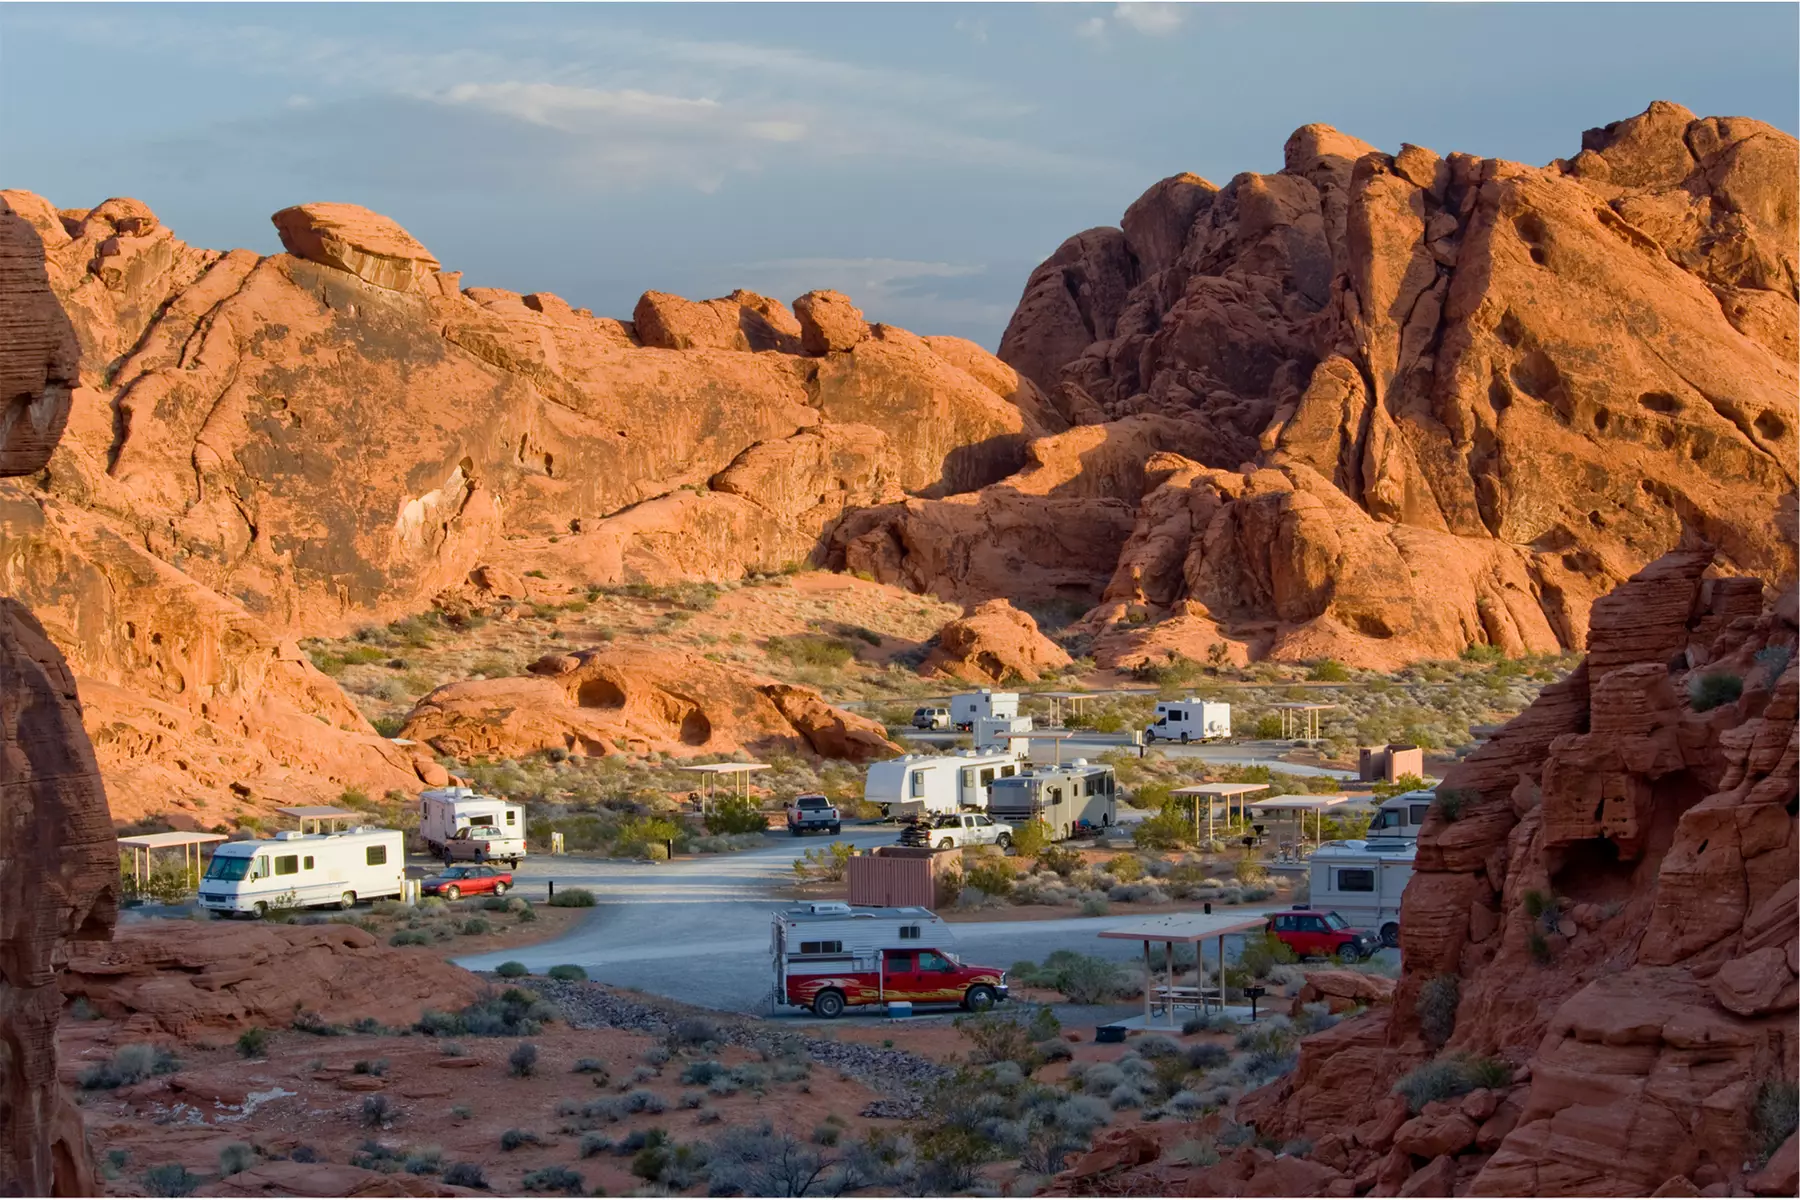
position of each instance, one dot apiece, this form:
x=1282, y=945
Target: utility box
x=903, y=877
x=1388, y=763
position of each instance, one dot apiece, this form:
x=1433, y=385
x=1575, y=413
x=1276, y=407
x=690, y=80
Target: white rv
x=990, y=732
x=970, y=707
x=446, y=812
x=1362, y=881
x=305, y=870
x=1401, y=816
x=1069, y=799
x=937, y=783
x=1189, y=720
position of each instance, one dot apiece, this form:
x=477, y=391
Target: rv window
x=918, y=784
x=228, y=867
x=510, y=818
x=898, y=960
x=1175, y=715
x=1417, y=813
x=909, y=932
x=1007, y=772
x=1387, y=818
x=424, y=808
x=376, y=856
x=987, y=776
x=968, y=778
x=821, y=947
x=1355, y=879
x=287, y=864
x=932, y=962
x=307, y=865
x=1055, y=794
x=262, y=866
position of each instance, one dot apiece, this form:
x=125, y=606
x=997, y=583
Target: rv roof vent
x=1080, y=762
x=286, y=835
x=832, y=907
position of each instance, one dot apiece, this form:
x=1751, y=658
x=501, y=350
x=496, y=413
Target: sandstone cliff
x=1426, y=401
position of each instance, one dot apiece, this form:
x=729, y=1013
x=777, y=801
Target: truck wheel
x=1149, y=737
x=828, y=1004
x=836, y=829
x=501, y=888
x=980, y=998
x=946, y=844
x=1004, y=841
x=794, y=831
x=1349, y=952
x=1390, y=934
x=347, y=900
x=1184, y=739
x=453, y=893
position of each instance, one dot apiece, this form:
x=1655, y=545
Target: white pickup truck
x=484, y=843
x=955, y=830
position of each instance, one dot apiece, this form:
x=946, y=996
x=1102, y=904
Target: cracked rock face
x=59, y=867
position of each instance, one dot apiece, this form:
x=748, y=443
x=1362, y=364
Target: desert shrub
x=377, y=1111
x=992, y=876
x=830, y=863
x=1209, y=1023
x=253, y=1042
x=694, y=1031
x=554, y=1179
x=593, y=1144
x=1448, y=1078
x=1315, y=1018
x=512, y=1139
x=1083, y=979
x=170, y=1179
x=523, y=1060
x=1030, y=838
x=1714, y=688
x=1267, y=727
x=1248, y=869
x=1329, y=670
x=464, y=1174
x=1206, y=1056
x=370, y=1066
x=511, y=970
x=1125, y=867
x=129, y=1064
x=643, y=1100
x=1094, y=904
x=476, y=926
x=735, y=814
x=1451, y=803
x=1157, y=1045
x=1262, y=952
x=1169, y=829
x=1436, y=1007
x=1773, y=1116
x=424, y=1160
x=810, y=650
x=572, y=898
x=568, y=973
x=1081, y=1115
x=1060, y=859
x=514, y=1012
x=237, y=1156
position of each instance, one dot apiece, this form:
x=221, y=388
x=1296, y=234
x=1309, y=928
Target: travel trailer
x=990, y=732
x=937, y=783
x=1066, y=798
x=969, y=707
x=829, y=956
x=305, y=870
x=1362, y=881
x=446, y=812
x=1189, y=720
x=1401, y=816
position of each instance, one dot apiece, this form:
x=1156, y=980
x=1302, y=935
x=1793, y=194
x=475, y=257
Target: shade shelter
x=1073, y=699
x=1182, y=929
x=1298, y=807
x=1214, y=792
x=735, y=774
x=1056, y=738
x=1300, y=719
x=190, y=844
x=320, y=818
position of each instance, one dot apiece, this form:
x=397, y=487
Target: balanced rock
x=829, y=322
x=370, y=246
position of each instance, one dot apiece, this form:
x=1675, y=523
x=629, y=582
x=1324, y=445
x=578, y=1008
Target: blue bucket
x=899, y=1008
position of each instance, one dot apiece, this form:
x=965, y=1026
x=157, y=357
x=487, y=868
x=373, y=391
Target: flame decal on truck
x=865, y=987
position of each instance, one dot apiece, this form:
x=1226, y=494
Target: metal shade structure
x=1056, y=737
x=1057, y=699
x=314, y=818
x=1184, y=929
x=1298, y=716
x=189, y=844
x=735, y=773
x=1215, y=792
x=1300, y=806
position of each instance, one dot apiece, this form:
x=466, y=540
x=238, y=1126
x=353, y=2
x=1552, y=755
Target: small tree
x=735, y=814
x=1167, y=830
x=1030, y=838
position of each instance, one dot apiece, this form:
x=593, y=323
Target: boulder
x=740, y=321
x=829, y=322
x=368, y=245
x=991, y=643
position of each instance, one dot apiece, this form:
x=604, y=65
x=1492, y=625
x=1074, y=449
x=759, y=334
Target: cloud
x=1150, y=18
x=1094, y=29
x=977, y=31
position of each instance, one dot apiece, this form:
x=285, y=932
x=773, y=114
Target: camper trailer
x=446, y=812
x=990, y=732
x=1189, y=720
x=1066, y=798
x=305, y=870
x=937, y=783
x=829, y=956
x=1362, y=881
x=970, y=707
x=1402, y=816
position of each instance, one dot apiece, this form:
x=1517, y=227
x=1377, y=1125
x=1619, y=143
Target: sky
x=921, y=158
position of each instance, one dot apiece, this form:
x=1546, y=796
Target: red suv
x=1311, y=933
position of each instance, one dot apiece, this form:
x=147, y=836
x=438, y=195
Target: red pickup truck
x=1312, y=933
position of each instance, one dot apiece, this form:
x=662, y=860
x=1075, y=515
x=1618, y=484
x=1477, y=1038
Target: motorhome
x=1067, y=798
x=938, y=783
x=1189, y=720
x=446, y=812
x=1402, y=816
x=991, y=732
x=1362, y=881
x=969, y=707
x=829, y=956
x=305, y=870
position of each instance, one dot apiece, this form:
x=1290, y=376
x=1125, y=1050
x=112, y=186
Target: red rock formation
x=1615, y=898
x=59, y=869
x=162, y=981
x=638, y=700
x=992, y=642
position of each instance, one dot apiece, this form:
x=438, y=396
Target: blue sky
x=921, y=158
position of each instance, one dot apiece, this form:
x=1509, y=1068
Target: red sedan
x=453, y=883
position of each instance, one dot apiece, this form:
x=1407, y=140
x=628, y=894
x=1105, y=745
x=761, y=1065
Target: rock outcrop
x=1392, y=364
x=59, y=872
x=1605, y=898
x=991, y=643
x=598, y=702
x=264, y=448
x=163, y=982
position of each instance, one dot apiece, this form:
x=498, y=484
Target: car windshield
x=1336, y=922
x=458, y=873
x=229, y=867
